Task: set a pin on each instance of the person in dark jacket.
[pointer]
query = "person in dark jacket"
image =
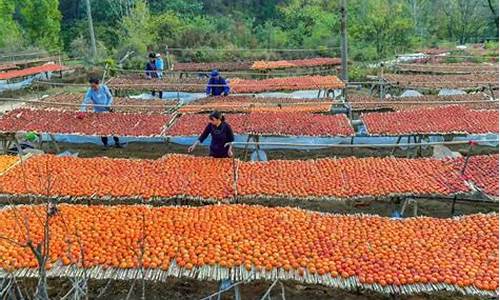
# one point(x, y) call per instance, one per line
point(150, 69)
point(221, 133)
point(217, 85)
point(151, 72)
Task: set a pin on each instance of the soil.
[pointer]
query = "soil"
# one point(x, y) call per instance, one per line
point(192, 289)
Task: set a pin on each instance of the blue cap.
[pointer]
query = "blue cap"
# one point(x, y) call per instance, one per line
point(214, 73)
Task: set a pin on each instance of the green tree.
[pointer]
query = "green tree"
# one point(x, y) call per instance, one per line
point(10, 35)
point(465, 19)
point(384, 25)
point(310, 23)
point(41, 22)
point(137, 31)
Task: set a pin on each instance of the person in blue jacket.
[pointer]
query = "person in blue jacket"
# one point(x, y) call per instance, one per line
point(101, 98)
point(221, 133)
point(160, 65)
point(217, 85)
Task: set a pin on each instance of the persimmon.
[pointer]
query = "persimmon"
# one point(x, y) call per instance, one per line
point(432, 120)
point(269, 123)
point(137, 82)
point(99, 124)
point(172, 176)
point(120, 104)
point(472, 101)
point(257, 104)
point(482, 170)
point(286, 84)
point(461, 252)
point(295, 63)
point(348, 177)
point(208, 179)
point(31, 71)
point(471, 81)
point(6, 161)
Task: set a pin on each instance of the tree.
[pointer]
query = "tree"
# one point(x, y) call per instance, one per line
point(137, 30)
point(41, 20)
point(310, 23)
point(465, 19)
point(10, 34)
point(384, 25)
point(493, 6)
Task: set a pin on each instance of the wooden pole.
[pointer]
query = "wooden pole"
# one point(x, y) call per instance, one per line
point(343, 39)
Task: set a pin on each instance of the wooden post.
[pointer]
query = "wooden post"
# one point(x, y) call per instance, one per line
point(343, 39)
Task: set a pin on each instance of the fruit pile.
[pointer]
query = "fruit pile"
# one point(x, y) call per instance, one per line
point(137, 83)
point(7, 66)
point(120, 104)
point(442, 81)
point(31, 71)
point(286, 84)
point(96, 124)
point(207, 67)
point(424, 252)
point(482, 170)
point(269, 123)
point(435, 120)
point(472, 101)
point(348, 178)
point(453, 68)
point(6, 161)
point(296, 63)
point(257, 104)
point(170, 177)
point(213, 179)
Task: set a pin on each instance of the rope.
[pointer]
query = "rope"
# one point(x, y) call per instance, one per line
point(78, 105)
point(61, 83)
point(256, 49)
point(360, 145)
point(447, 66)
point(236, 72)
point(443, 55)
point(421, 102)
point(162, 83)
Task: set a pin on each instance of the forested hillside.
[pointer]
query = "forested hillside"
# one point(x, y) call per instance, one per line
point(377, 28)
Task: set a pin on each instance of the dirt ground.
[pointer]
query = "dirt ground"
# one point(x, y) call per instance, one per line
point(191, 289)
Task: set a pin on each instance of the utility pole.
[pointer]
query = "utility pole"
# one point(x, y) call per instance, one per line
point(91, 31)
point(343, 39)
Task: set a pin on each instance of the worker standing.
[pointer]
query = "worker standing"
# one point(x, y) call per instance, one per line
point(160, 65)
point(101, 98)
point(217, 85)
point(151, 72)
point(221, 133)
point(150, 69)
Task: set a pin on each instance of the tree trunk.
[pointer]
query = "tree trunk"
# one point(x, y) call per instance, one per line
point(41, 288)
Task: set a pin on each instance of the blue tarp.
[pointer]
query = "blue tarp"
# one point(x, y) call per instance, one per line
point(188, 97)
point(359, 140)
point(5, 86)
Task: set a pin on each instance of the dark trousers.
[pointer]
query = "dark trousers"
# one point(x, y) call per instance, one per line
point(160, 93)
point(104, 140)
